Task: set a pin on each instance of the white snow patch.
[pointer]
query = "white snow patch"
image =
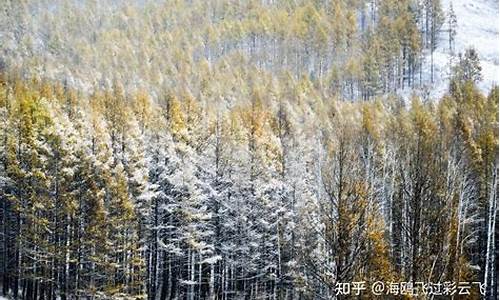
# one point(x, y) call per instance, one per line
point(477, 26)
point(212, 260)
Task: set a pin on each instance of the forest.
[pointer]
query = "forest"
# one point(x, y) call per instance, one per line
point(227, 149)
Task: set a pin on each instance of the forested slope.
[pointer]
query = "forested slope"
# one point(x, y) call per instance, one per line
point(239, 150)
point(353, 49)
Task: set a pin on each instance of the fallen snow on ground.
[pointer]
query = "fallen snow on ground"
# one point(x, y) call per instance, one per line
point(477, 26)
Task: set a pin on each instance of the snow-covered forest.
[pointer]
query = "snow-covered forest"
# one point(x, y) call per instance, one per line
point(260, 149)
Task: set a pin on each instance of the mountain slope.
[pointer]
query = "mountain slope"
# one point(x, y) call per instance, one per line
point(477, 26)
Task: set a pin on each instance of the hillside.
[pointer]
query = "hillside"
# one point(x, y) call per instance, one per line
point(477, 26)
point(51, 39)
point(349, 50)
